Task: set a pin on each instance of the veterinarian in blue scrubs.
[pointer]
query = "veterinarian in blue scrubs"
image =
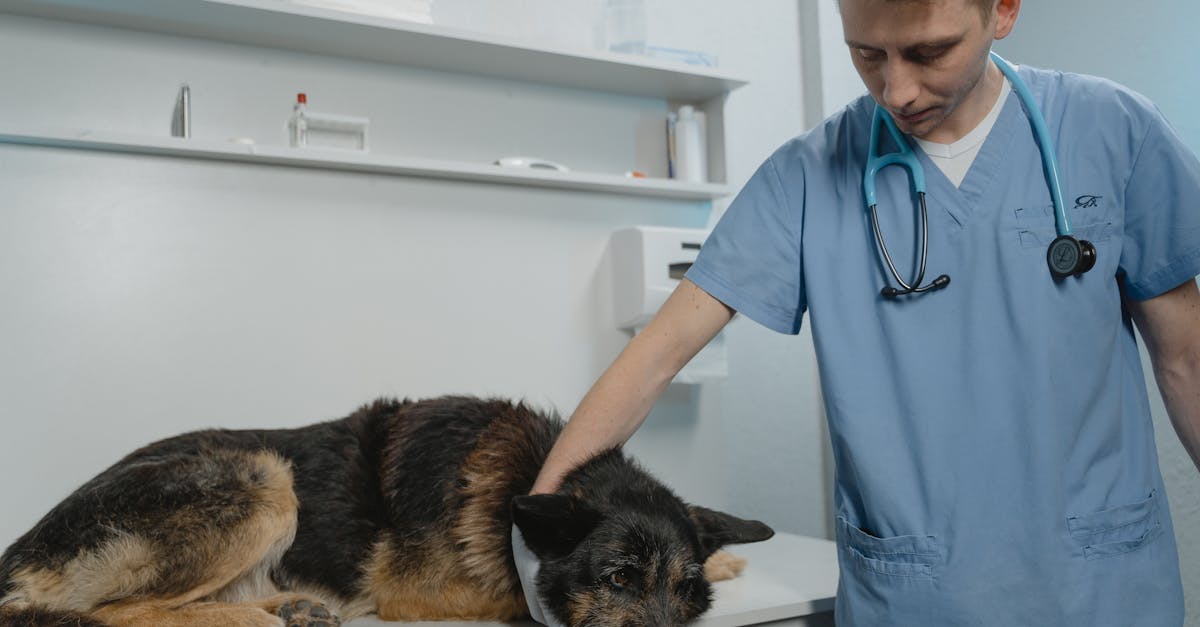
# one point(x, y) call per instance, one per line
point(995, 457)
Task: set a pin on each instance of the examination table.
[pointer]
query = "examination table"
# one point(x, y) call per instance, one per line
point(789, 581)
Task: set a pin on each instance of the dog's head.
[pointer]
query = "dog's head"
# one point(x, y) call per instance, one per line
point(618, 548)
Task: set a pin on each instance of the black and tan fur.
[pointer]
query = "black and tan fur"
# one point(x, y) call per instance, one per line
point(403, 509)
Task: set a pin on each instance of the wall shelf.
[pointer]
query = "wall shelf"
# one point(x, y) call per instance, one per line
point(346, 160)
point(281, 24)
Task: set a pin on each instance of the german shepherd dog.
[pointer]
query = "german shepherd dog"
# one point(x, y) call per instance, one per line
point(403, 509)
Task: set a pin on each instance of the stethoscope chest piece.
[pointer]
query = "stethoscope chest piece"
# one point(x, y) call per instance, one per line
point(1067, 256)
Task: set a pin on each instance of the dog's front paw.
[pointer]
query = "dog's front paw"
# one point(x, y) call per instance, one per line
point(306, 613)
point(723, 565)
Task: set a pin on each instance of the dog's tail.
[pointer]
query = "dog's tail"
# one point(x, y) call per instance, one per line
point(11, 616)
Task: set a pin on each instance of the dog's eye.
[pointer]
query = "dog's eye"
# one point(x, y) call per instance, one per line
point(621, 579)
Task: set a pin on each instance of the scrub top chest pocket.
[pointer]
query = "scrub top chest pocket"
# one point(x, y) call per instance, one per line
point(1092, 221)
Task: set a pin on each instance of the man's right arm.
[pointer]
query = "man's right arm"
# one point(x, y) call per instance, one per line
point(621, 399)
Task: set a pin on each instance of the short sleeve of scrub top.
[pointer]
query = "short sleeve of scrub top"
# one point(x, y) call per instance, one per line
point(754, 266)
point(1162, 223)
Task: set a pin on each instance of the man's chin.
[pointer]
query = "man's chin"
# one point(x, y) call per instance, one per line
point(928, 130)
point(919, 125)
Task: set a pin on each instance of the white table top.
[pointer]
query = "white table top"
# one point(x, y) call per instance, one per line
point(785, 577)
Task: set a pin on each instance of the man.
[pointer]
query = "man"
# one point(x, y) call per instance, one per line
point(994, 451)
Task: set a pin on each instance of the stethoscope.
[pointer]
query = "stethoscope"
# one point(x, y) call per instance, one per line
point(1066, 256)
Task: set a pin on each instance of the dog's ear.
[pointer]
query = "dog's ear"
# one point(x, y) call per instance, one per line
point(553, 524)
point(716, 529)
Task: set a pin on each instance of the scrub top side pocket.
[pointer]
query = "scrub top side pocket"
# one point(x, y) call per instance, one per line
point(1117, 530)
point(886, 582)
point(898, 556)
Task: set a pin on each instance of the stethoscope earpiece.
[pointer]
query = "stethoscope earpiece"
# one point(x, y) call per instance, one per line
point(890, 292)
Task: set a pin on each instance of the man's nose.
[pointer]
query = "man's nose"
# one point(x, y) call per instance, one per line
point(900, 85)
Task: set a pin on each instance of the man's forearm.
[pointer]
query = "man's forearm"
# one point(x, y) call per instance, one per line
point(606, 417)
point(1170, 325)
point(620, 400)
point(1179, 383)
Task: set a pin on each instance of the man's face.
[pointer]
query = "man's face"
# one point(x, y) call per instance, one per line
point(924, 61)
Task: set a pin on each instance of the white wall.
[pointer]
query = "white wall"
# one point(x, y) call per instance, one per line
point(145, 296)
point(1151, 47)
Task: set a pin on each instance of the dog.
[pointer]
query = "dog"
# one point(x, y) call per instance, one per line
point(403, 509)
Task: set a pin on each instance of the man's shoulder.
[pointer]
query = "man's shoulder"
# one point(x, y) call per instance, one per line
point(845, 128)
point(1077, 91)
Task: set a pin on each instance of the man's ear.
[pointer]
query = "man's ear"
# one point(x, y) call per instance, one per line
point(716, 529)
point(553, 524)
point(1006, 16)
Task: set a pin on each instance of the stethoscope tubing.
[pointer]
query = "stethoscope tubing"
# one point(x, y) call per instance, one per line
point(1062, 223)
point(905, 156)
point(888, 258)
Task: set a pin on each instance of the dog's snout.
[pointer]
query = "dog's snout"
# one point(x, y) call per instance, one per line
point(664, 612)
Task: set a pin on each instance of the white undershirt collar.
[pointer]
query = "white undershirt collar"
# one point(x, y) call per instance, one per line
point(955, 159)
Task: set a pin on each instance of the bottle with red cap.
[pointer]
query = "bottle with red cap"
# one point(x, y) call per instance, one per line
point(298, 124)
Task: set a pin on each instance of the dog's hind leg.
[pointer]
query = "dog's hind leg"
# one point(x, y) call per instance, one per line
point(157, 563)
point(295, 611)
point(166, 614)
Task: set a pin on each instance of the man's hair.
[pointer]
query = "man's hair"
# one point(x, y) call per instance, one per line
point(984, 6)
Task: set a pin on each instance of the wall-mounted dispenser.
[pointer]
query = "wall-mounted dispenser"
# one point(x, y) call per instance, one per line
point(648, 263)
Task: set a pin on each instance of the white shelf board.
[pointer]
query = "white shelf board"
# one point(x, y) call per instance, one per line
point(348, 160)
point(281, 24)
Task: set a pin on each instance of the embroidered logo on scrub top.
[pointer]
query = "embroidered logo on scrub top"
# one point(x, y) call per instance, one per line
point(1085, 201)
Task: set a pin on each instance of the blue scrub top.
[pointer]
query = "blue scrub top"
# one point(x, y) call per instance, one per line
point(994, 449)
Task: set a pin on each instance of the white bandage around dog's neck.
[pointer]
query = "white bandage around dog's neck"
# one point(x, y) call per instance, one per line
point(527, 570)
